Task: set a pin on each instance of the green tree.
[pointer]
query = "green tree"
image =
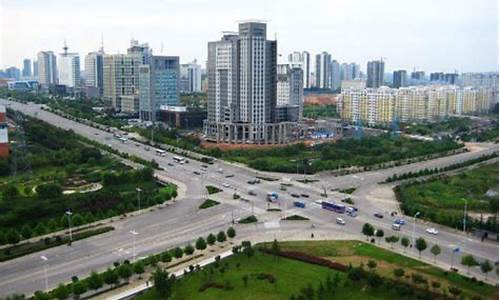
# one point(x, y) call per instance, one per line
point(454, 291)
point(368, 230)
point(221, 237)
point(10, 191)
point(374, 280)
point(49, 190)
point(138, 267)
point(372, 265)
point(211, 239)
point(379, 234)
point(469, 261)
point(189, 249)
point(398, 273)
point(162, 283)
point(40, 229)
point(178, 253)
point(12, 237)
point(231, 233)
point(39, 295)
point(166, 257)
point(486, 267)
point(245, 280)
point(405, 242)
point(201, 244)
point(26, 232)
point(275, 248)
point(392, 240)
point(78, 288)
point(61, 292)
point(124, 271)
point(435, 250)
point(94, 281)
point(421, 245)
point(110, 277)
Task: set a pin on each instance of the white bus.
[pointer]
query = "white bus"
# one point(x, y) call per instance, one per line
point(178, 159)
point(160, 152)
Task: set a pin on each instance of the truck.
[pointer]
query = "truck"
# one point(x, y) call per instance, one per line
point(299, 204)
point(351, 211)
point(329, 205)
point(272, 196)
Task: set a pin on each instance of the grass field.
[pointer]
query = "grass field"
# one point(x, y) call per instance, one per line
point(291, 276)
point(442, 199)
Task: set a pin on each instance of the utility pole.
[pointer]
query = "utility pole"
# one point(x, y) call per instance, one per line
point(139, 190)
point(45, 260)
point(69, 213)
point(413, 232)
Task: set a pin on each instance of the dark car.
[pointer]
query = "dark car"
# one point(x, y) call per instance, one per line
point(378, 215)
point(295, 195)
point(305, 195)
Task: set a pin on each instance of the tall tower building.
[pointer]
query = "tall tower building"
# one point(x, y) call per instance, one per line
point(323, 70)
point(399, 79)
point(375, 73)
point(242, 81)
point(190, 77)
point(47, 68)
point(27, 68)
point(159, 83)
point(336, 75)
point(69, 69)
point(121, 81)
point(306, 68)
point(35, 69)
point(94, 77)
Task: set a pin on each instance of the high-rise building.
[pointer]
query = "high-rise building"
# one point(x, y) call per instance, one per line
point(121, 78)
point(336, 75)
point(141, 50)
point(356, 73)
point(437, 76)
point(69, 69)
point(94, 77)
point(375, 73)
point(35, 69)
point(159, 82)
point(323, 70)
point(13, 73)
point(290, 88)
point(418, 75)
point(451, 78)
point(27, 68)
point(302, 60)
point(190, 77)
point(242, 82)
point(399, 79)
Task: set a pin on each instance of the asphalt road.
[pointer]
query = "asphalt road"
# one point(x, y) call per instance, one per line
point(181, 221)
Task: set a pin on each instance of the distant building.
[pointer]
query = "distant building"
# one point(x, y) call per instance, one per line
point(27, 68)
point(323, 71)
point(4, 133)
point(302, 60)
point(35, 69)
point(399, 79)
point(437, 76)
point(353, 84)
point(451, 78)
point(290, 88)
point(190, 77)
point(159, 82)
point(181, 117)
point(336, 75)
point(13, 73)
point(375, 73)
point(47, 68)
point(69, 70)
point(418, 75)
point(94, 74)
point(23, 85)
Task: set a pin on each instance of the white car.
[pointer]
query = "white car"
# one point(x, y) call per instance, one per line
point(432, 231)
point(340, 221)
point(226, 185)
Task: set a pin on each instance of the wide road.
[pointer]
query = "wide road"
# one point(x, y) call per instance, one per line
point(182, 222)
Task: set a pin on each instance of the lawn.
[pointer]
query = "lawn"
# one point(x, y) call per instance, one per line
point(345, 153)
point(291, 276)
point(208, 203)
point(442, 199)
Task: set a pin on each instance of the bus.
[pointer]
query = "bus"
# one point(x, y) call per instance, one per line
point(178, 159)
point(160, 152)
point(338, 208)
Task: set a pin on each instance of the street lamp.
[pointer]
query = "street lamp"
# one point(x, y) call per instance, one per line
point(413, 233)
point(133, 233)
point(45, 260)
point(69, 213)
point(139, 190)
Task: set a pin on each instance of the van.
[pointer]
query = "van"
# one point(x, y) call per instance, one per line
point(396, 227)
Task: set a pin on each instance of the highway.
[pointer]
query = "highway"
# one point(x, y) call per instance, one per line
point(181, 221)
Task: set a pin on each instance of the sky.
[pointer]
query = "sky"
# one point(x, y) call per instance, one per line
point(429, 35)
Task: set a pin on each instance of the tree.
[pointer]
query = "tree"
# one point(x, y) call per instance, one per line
point(39, 295)
point(392, 240)
point(94, 281)
point(275, 248)
point(40, 229)
point(162, 283)
point(138, 267)
point(486, 267)
point(12, 237)
point(177, 252)
point(110, 277)
point(454, 291)
point(189, 249)
point(380, 234)
point(26, 232)
point(201, 244)
point(368, 230)
point(374, 280)
point(211, 239)
point(231, 233)
point(372, 265)
point(61, 292)
point(124, 271)
point(221, 237)
point(469, 261)
point(421, 245)
point(398, 273)
point(405, 242)
point(435, 250)
point(166, 257)
point(49, 190)
point(78, 288)
point(248, 251)
point(245, 279)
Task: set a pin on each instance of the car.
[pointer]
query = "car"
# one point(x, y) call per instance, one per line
point(305, 195)
point(225, 184)
point(340, 221)
point(171, 164)
point(432, 230)
point(252, 193)
point(378, 215)
point(230, 175)
point(96, 133)
point(396, 227)
point(196, 173)
point(146, 148)
point(295, 195)
point(400, 221)
point(137, 144)
point(251, 182)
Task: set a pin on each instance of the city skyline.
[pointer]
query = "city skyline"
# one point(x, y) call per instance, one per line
point(466, 41)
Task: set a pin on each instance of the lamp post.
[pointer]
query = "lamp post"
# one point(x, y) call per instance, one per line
point(139, 190)
point(133, 233)
point(45, 260)
point(69, 213)
point(413, 232)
